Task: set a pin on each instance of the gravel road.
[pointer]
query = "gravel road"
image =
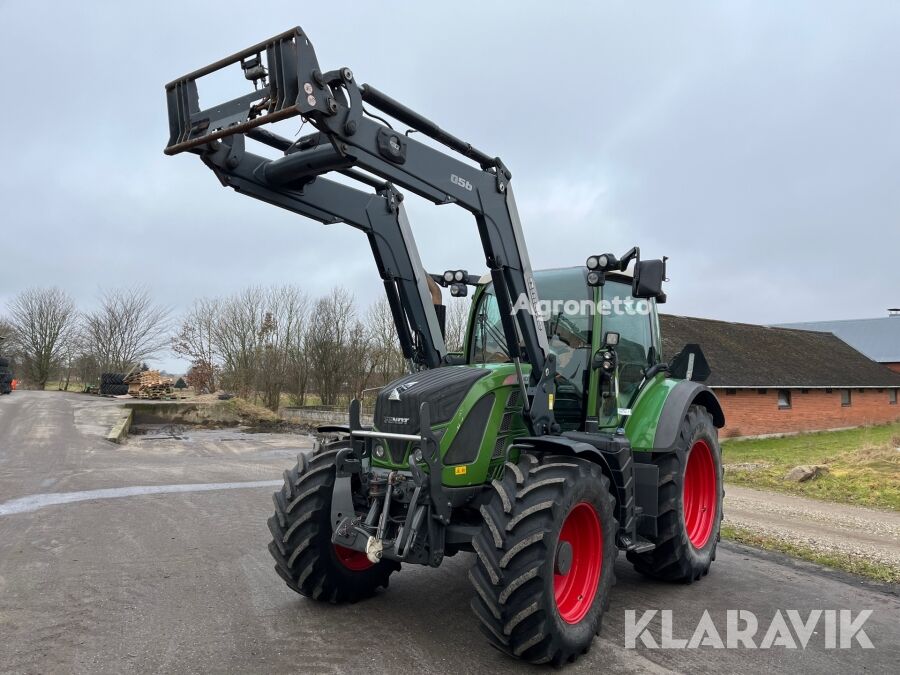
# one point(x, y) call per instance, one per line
point(823, 526)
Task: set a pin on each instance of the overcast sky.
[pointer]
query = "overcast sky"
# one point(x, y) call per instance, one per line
point(755, 143)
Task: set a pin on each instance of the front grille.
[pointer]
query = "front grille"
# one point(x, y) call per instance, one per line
point(397, 450)
point(499, 447)
point(505, 422)
point(513, 400)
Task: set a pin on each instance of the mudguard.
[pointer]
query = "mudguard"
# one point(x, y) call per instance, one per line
point(682, 396)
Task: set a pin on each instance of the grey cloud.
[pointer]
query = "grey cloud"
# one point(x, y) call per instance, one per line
point(757, 144)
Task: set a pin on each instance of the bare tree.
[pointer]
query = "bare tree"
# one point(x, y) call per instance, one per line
point(237, 338)
point(255, 337)
point(7, 343)
point(286, 310)
point(202, 377)
point(357, 348)
point(455, 324)
point(328, 332)
point(196, 339)
point(44, 321)
point(127, 328)
point(385, 352)
point(298, 375)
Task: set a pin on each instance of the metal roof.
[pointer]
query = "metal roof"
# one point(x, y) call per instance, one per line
point(879, 339)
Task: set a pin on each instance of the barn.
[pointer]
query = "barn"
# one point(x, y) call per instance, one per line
point(773, 380)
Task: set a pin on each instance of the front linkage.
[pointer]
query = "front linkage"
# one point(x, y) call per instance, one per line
point(417, 535)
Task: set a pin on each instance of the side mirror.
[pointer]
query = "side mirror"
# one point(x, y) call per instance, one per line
point(648, 279)
point(610, 339)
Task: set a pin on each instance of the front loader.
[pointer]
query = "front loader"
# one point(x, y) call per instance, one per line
point(557, 439)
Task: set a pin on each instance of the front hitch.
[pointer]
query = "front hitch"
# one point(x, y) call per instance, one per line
point(370, 535)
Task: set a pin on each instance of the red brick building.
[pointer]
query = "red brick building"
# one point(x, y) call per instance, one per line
point(783, 380)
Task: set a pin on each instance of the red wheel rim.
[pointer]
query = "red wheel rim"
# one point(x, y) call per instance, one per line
point(699, 494)
point(574, 591)
point(352, 560)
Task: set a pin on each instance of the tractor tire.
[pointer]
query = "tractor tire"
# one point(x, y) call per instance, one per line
point(305, 557)
point(4, 362)
point(545, 557)
point(690, 504)
point(104, 378)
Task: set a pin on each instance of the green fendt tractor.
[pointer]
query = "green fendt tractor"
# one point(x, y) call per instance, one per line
point(556, 439)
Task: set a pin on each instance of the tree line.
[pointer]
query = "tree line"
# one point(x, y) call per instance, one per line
point(262, 342)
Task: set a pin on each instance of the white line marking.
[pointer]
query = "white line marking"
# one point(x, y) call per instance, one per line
point(35, 502)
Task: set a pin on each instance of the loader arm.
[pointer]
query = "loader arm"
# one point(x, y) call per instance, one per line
point(380, 215)
point(287, 83)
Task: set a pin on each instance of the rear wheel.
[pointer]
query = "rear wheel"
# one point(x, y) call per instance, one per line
point(690, 504)
point(305, 557)
point(545, 555)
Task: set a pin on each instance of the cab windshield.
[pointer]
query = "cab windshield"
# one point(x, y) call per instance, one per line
point(567, 314)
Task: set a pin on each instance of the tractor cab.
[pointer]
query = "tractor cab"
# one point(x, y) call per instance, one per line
point(577, 317)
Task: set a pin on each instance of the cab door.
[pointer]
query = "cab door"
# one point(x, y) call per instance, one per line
point(639, 348)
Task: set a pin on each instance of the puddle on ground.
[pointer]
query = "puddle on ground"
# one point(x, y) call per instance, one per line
point(151, 432)
point(256, 444)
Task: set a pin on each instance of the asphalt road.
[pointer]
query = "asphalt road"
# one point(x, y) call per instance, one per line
point(180, 581)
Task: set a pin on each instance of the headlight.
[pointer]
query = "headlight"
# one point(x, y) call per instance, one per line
point(592, 262)
point(378, 451)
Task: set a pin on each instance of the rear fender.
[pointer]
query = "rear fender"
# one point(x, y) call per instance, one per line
point(685, 394)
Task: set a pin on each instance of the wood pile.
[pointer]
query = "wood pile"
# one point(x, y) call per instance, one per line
point(149, 384)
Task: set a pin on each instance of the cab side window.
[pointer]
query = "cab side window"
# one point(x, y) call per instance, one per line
point(631, 319)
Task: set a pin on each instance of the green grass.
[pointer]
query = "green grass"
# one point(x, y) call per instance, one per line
point(864, 464)
point(853, 564)
point(55, 385)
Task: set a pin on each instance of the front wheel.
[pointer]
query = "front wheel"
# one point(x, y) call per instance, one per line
point(545, 556)
point(690, 504)
point(305, 557)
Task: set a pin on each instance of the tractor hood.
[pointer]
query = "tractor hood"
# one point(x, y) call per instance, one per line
point(397, 405)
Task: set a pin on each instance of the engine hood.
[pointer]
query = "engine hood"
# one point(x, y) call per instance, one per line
point(397, 405)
